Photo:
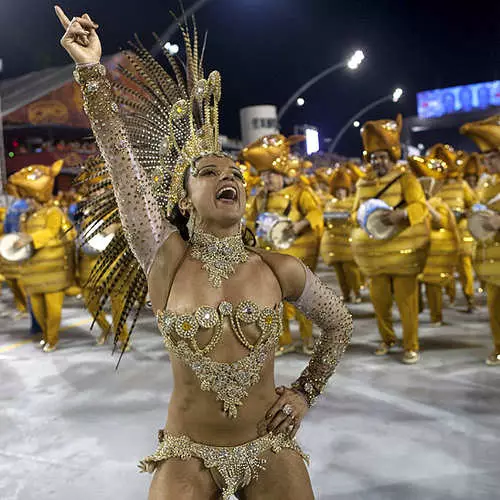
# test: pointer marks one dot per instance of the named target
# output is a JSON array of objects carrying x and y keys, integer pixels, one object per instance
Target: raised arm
[{"x": 145, "y": 227}]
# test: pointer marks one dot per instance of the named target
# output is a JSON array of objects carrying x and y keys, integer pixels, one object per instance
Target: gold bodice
[{"x": 229, "y": 381}]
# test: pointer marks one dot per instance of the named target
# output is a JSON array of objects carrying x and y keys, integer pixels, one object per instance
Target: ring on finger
[{"x": 287, "y": 409}]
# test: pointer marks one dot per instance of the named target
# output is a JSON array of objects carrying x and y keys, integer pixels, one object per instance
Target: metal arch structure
[{"x": 355, "y": 117}]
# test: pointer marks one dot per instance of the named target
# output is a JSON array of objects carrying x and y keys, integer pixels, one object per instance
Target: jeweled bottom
[{"x": 232, "y": 467}]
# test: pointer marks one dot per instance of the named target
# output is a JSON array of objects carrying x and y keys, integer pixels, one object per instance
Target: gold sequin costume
[
  {"x": 50, "y": 270},
  {"x": 298, "y": 201},
  {"x": 141, "y": 175},
  {"x": 486, "y": 135},
  {"x": 394, "y": 264},
  {"x": 335, "y": 248},
  {"x": 459, "y": 196}
]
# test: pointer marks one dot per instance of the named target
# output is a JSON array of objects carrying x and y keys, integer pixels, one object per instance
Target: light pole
[
  {"x": 353, "y": 121},
  {"x": 352, "y": 63}
]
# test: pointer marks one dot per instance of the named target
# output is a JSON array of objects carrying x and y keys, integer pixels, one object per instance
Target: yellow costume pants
[
  {"x": 434, "y": 294},
  {"x": 305, "y": 326},
  {"x": 493, "y": 293},
  {"x": 92, "y": 305},
  {"x": 47, "y": 308},
  {"x": 19, "y": 295},
  {"x": 349, "y": 277},
  {"x": 405, "y": 292},
  {"x": 466, "y": 275}
]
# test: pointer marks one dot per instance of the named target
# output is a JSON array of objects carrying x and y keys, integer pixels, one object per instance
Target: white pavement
[{"x": 71, "y": 427}]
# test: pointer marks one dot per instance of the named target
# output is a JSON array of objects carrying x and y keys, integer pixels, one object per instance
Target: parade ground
[{"x": 72, "y": 427}]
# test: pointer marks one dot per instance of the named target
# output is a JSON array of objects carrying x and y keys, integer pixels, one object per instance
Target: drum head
[
  {"x": 282, "y": 235},
  {"x": 264, "y": 224},
  {"x": 476, "y": 224},
  {"x": 8, "y": 252},
  {"x": 375, "y": 226}
]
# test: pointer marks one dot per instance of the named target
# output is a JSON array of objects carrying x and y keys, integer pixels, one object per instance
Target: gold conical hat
[
  {"x": 473, "y": 165},
  {"x": 270, "y": 152},
  {"x": 383, "y": 135},
  {"x": 341, "y": 179},
  {"x": 35, "y": 181},
  {"x": 448, "y": 155},
  {"x": 485, "y": 133},
  {"x": 324, "y": 174},
  {"x": 427, "y": 167}
]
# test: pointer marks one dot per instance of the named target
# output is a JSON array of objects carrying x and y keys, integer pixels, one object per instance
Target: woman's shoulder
[{"x": 288, "y": 270}]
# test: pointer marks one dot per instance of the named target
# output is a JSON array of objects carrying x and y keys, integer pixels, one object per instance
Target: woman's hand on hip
[
  {"x": 286, "y": 414},
  {"x": 80, "y": 38}
]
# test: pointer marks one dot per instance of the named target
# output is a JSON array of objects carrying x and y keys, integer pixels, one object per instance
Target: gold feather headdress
[{"x": 172, "y": 117}]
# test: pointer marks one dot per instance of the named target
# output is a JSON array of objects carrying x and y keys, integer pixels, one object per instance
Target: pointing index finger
[{"x": 62, "y": 17}]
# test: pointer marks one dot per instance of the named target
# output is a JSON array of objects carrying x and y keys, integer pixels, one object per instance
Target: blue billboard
[{"x": 461, "y": 99}]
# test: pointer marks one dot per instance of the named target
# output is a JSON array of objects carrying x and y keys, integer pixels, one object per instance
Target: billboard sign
[{"x": 461, "y": 99}]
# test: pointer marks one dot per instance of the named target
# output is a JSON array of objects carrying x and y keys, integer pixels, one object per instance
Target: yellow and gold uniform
[
  {"x": 50, "y": 270},
  {"x": 459, "y": 196},
  {"x": 298, "y": 202},
  {"x": 486, "y": 135},
  {"x": 393, "y": 265},
  {"x": 335, "y": 248},
  {"x": 442, "y": 258}
]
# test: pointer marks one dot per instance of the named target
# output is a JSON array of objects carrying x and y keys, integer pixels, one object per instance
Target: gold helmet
[
  {"x": 297, "y": 166},
  {"x": 382, "y": 135},
  {"x": 324, "y": 174},
  {"x": 341, "y": 178},
  {"x": 355, "y": 171},
  {"x": 451, "y": 158},
  {"x": 35, "y": 181},
  {"x": 271, "y": 152},
  {"x": 474, "y": 166},
  {"x": 427, "y": 167},
  {"x": 485, "y": 133}
]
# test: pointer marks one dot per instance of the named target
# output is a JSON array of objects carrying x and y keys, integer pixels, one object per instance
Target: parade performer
[
  {"x": 458, "y": 195},
  {"x": 270, "y": 155},
  {"x": 486, "y": 135},
  {"x": 392, "y": 263},
  {"x": 218, "y": 303},
  {"x": 335, "y": 249},
  {"x": 50, "y": 270},
  {"x": 445, "y": 239}
]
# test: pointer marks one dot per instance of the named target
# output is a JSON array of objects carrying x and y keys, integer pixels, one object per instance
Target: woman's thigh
[
  {"x": 285, "y": 477},
  {"x": 178, "y": 479}
]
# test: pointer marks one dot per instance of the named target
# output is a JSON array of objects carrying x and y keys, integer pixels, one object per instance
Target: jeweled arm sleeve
[
  {"x": 145, "y": 227},
  {"x": 321, "y": 305}
]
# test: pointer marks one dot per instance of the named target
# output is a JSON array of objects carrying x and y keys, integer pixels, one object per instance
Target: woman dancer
[{"x": 217, "y": 302}]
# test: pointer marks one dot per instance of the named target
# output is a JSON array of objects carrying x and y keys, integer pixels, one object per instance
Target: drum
[
  {"x": 275, "y": 230},
  {"x": 477, "y": 219},
  {"x": 11, "y": 254},
  {"x": 96, "y": 244},
  {"x": 370, "y": 218}
]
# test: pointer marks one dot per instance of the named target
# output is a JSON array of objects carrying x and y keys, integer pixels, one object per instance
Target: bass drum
[
  {"x": 370, "y": 218},
  {"x": 275, "y": 231},
  {"x": 8, "y": 251}
]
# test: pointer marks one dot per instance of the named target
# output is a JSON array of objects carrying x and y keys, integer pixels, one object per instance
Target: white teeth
[{"x": 226, "y": 189}]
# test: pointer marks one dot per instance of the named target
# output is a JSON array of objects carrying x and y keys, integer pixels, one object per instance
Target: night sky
[{"x": 265, "y": 49}]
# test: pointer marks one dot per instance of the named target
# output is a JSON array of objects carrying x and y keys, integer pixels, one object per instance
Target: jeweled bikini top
[{"x": 229, "y": 381}]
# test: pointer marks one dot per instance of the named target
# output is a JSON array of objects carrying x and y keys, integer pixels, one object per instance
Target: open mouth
[{"x": 227, "y": 194}]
